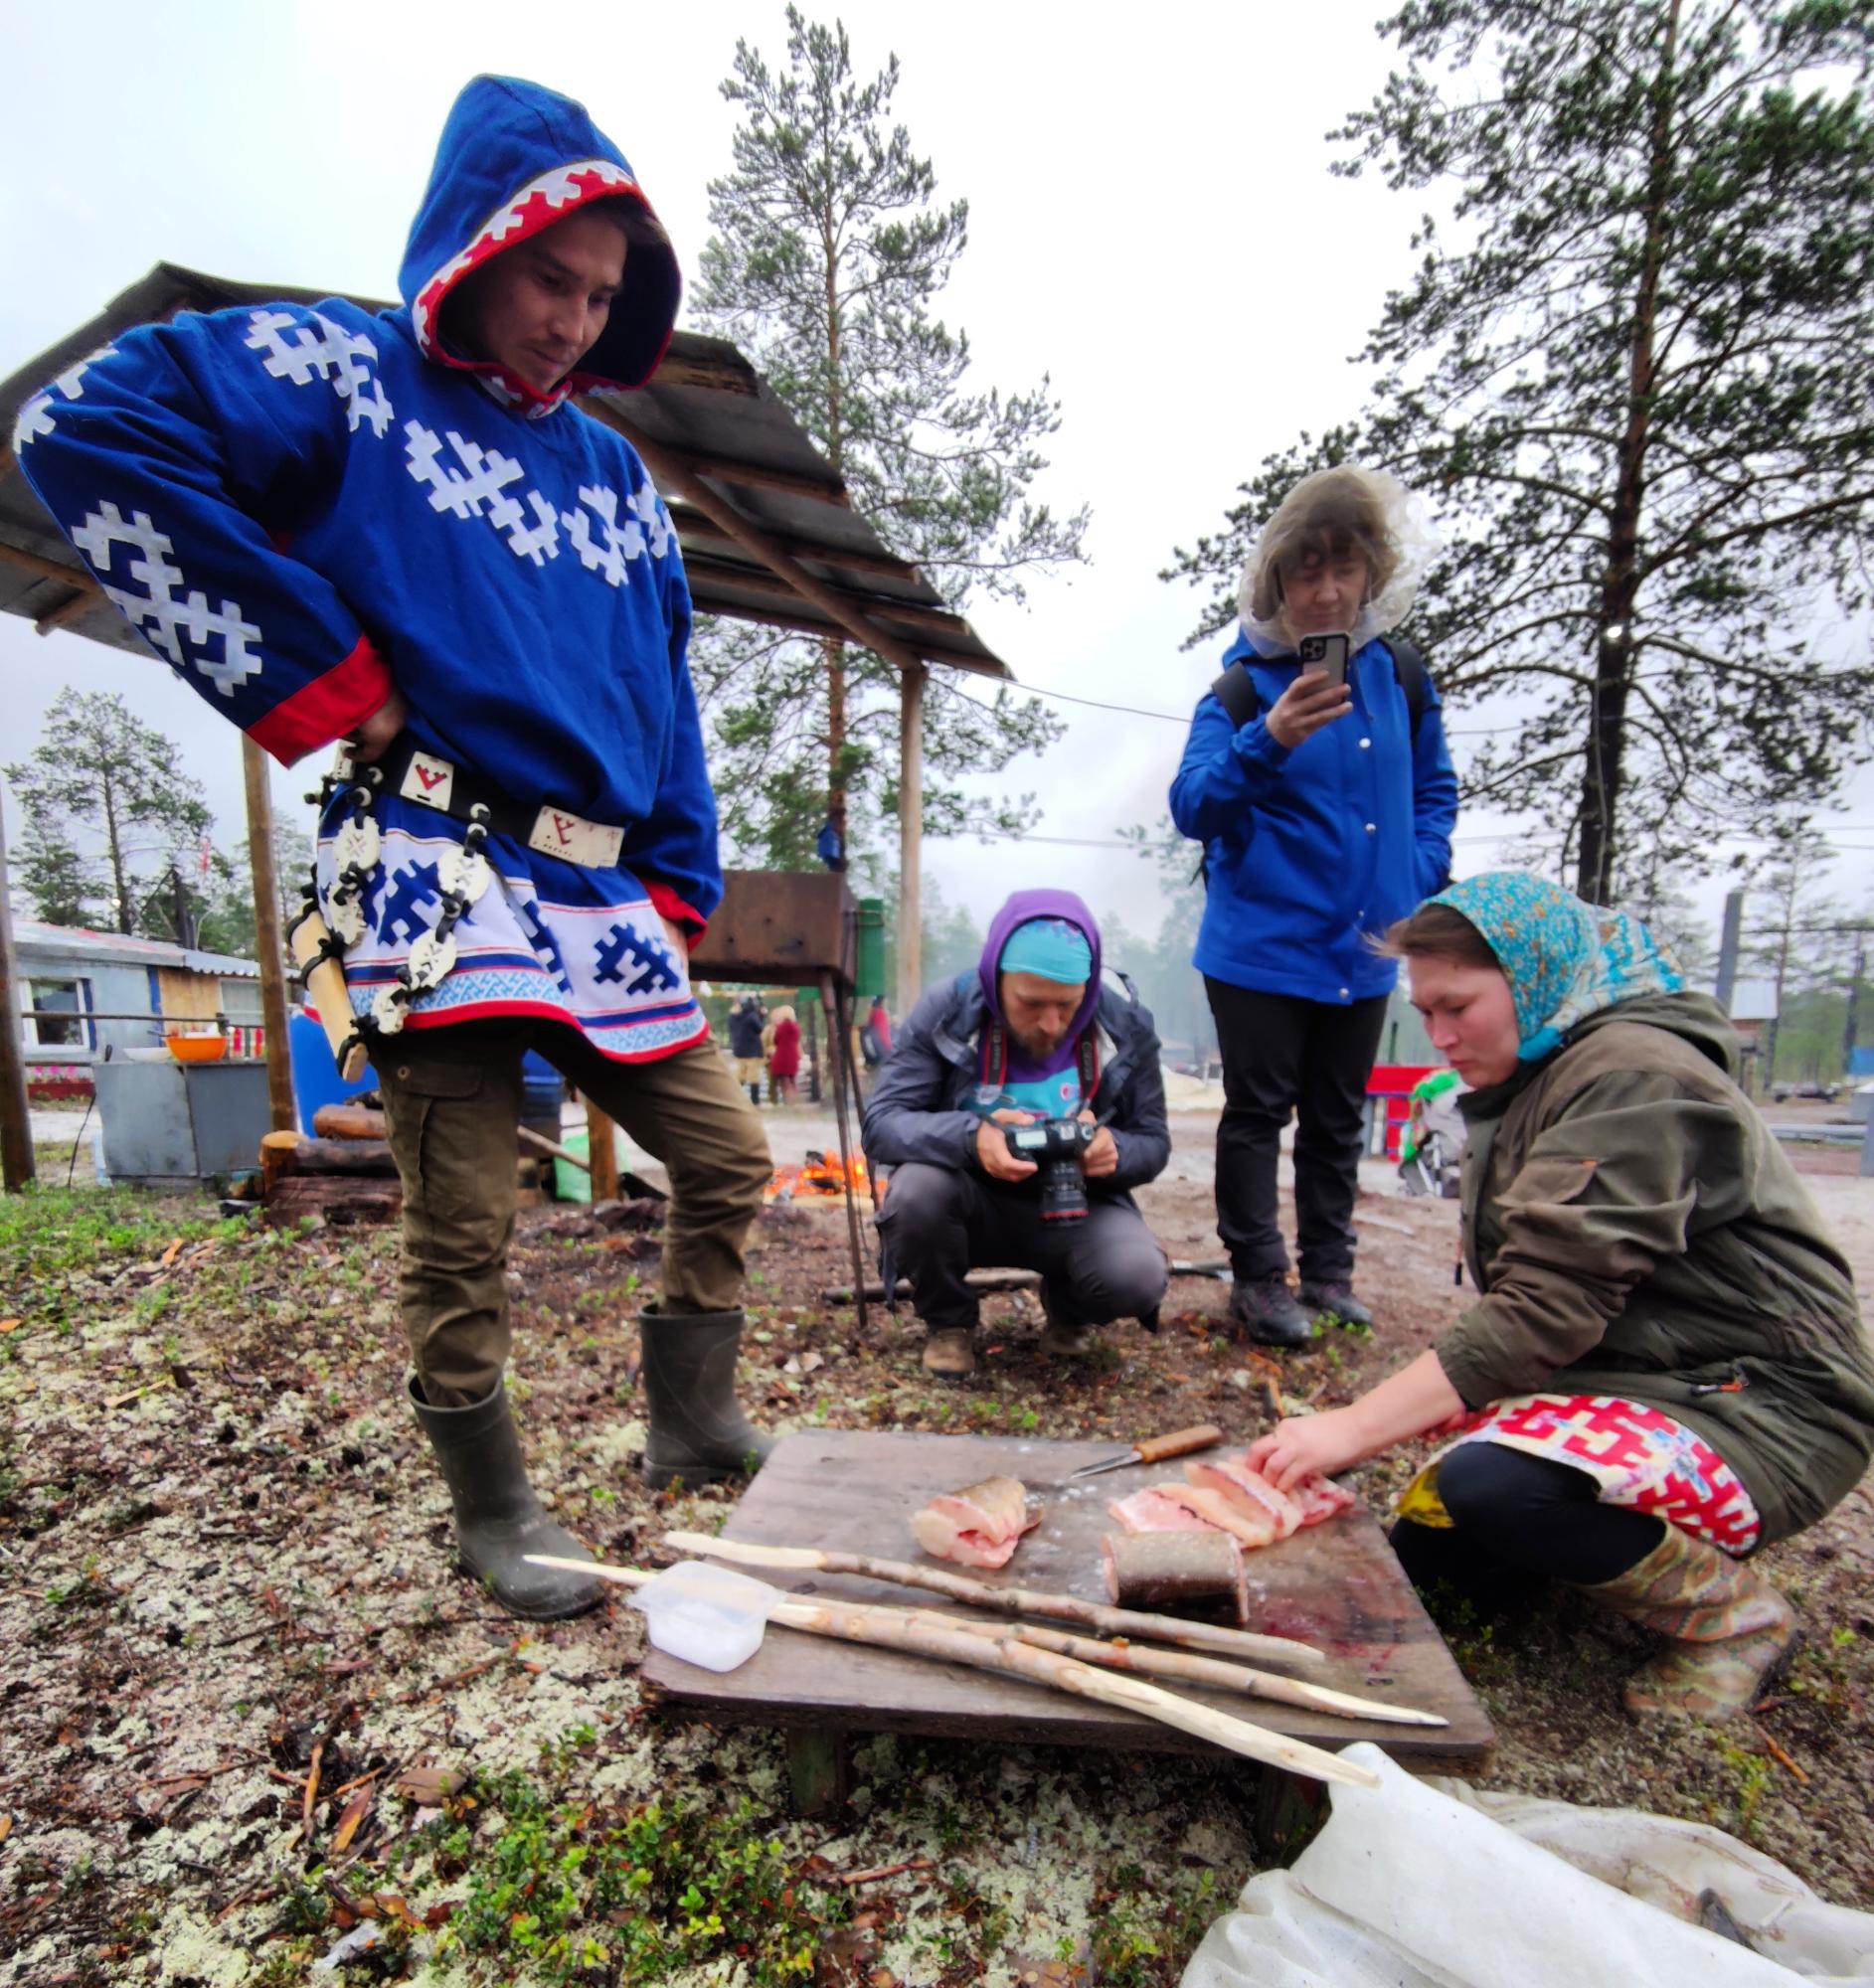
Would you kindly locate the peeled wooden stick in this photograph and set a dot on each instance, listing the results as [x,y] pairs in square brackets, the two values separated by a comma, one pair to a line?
[1204,1669]
[1002,1601]
[926,1634]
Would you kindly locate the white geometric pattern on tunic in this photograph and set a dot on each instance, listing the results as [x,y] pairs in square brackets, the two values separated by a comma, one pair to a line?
[328,353]
[35,418]
[161,614]
[482,480]
[608,969]
[623,543]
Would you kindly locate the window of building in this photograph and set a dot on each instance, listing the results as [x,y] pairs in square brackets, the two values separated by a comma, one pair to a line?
[59,1021]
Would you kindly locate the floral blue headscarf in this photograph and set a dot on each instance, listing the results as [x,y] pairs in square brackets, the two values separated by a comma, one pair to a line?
[1564,959]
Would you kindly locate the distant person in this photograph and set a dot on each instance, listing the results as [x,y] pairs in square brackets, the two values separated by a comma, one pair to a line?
[1325,804]
[1664,1367]
[1029,1036]
[875,1034]
[745,1045]
[783,1057]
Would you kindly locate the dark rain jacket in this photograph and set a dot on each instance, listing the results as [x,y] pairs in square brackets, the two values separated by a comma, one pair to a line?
[920,1111]
[1635,1229]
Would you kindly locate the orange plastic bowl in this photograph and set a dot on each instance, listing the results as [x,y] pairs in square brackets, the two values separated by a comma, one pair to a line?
[197,1049]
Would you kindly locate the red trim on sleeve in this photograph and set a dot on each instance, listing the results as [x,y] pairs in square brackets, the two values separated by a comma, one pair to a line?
[676,911]
[327,708]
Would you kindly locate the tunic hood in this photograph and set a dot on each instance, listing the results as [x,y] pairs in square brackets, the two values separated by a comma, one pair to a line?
[515,158]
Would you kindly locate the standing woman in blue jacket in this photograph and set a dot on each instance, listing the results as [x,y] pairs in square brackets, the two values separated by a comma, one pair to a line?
[1325,811]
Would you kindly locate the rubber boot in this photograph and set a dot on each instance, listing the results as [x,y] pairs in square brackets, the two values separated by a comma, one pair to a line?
[1725,1630]
[498,1520]
[698,1431]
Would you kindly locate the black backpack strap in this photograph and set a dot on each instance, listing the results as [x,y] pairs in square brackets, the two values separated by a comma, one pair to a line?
[1414,677]
[1235,690]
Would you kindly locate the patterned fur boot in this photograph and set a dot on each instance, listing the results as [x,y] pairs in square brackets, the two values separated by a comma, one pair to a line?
[1726,1629]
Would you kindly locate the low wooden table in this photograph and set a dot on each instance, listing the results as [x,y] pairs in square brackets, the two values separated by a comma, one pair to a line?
[1335,1585]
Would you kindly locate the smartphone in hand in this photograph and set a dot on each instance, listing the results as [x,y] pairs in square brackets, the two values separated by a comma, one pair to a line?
[1326,654]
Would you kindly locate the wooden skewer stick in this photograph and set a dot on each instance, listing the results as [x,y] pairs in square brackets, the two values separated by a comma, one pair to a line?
[1205,1670]
[1001,1648]
[1003,1600]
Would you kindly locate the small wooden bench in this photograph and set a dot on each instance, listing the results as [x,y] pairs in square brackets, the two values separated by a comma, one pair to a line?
[1336,1585]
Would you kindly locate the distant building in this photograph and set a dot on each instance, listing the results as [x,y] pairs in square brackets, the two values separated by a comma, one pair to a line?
[81,992]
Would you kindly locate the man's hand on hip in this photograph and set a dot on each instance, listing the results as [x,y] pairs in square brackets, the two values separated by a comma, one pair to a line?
[371,739]
[992,1153]
[678,937]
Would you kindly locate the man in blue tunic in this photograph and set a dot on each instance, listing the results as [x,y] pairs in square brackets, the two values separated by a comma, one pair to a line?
[395,530]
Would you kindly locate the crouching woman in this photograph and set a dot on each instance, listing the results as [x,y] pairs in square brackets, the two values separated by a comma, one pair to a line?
[1665,1367]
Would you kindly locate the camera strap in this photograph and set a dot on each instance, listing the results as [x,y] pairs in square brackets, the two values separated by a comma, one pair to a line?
[1086,1058]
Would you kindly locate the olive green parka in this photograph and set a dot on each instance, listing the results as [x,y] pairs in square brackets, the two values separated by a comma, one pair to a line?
[1634,1229]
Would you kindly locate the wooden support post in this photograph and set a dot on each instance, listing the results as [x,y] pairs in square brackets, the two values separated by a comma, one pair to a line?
[819,1769]
[910,838]
[270,948]
[838,1017]
[17,1164]
[602,1149]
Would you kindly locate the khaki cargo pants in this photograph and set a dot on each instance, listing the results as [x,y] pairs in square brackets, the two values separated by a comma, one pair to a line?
[452,1104]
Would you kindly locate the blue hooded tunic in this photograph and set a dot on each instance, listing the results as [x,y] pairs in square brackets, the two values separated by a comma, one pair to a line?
[301,507]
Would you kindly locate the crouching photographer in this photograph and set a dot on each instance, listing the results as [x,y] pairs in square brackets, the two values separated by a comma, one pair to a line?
[1021,1105]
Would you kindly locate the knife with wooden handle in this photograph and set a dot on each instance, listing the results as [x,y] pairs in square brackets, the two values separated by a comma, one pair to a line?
[1154,1449]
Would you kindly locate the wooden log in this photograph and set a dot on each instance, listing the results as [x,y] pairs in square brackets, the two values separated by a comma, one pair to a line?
[1183,1574]
[343,1156]
[348,1121]
[279,1153]
[539,1143]
[1001,1601]
[339,1198]
[1000,1647]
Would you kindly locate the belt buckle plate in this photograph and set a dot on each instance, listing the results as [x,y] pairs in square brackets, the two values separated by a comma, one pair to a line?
[592,844]
[429,780]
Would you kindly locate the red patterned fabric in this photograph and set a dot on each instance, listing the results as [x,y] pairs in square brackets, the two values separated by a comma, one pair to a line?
[1638,1456]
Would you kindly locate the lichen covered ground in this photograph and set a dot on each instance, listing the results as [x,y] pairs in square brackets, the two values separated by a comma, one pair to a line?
[255,1718]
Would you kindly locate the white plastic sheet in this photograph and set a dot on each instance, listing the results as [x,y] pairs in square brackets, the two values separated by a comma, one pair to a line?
[1411,1886]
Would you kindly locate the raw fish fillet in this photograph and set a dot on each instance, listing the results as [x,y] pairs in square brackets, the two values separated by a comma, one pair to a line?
[1254,1529]
[978,1526]
[1320,1498]
[1248,1491]
[1150,1511]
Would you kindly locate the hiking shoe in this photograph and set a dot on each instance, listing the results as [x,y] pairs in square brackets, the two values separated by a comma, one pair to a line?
[1065,1341]
[1335,1302]
[951,1353]
[1265,1309]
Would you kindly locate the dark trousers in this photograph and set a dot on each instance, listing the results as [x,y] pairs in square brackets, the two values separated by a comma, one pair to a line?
[1516,1518]
[938,1223]
[452,1102]
[1284,1054]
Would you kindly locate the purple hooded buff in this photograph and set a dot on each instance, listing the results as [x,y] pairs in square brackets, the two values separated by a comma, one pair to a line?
[1023,906]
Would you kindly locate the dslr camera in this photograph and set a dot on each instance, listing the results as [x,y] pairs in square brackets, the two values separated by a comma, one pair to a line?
[1055,1145]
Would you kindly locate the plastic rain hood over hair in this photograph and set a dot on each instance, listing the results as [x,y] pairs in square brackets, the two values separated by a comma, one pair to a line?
[1408,524]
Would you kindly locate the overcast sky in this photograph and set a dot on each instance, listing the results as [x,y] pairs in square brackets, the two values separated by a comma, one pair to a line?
[1152,222]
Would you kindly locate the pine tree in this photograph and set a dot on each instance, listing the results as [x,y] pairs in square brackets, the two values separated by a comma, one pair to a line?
[829,250]
[62,886]
[1635,387]
[100,770]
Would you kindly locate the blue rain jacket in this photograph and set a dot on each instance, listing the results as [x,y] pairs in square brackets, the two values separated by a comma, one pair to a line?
[1308,852]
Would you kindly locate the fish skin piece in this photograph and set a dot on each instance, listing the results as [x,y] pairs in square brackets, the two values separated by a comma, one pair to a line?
[979,1525]
[1233,1479]
[1150,1511]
